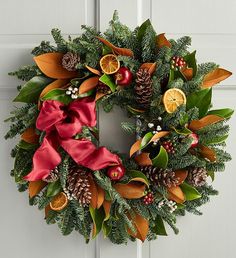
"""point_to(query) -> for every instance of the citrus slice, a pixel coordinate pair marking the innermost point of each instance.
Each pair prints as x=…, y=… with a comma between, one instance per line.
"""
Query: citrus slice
x=109, y=64
x=59, y=202
x=173, y=98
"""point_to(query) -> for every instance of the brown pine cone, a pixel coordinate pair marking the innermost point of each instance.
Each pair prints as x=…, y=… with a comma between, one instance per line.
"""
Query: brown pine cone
x=159, y=176
x=70, y=60
x=197, y=176
x=53, y=176
x=103, y=88
x=78, y=186
x=143, y=87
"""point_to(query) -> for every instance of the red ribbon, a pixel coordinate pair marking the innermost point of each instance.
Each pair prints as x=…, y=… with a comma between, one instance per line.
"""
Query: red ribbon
x=61, y=123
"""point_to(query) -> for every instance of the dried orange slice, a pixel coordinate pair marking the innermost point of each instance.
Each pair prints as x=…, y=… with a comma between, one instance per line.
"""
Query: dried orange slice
x=173, y=98
x=59, y=202
x=109, y=64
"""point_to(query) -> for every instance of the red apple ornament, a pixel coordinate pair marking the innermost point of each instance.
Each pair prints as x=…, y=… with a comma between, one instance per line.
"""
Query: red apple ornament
x=123, y=77
x=116, y=173
x=194, y=137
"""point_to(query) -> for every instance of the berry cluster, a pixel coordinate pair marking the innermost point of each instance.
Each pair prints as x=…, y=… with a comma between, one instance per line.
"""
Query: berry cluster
x=169, y=146
x=72, y=92
x=171, y=205
x=177, y=63
x=148, y=198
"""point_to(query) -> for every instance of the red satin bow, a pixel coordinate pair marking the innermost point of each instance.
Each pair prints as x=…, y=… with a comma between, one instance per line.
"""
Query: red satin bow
x=61, y=123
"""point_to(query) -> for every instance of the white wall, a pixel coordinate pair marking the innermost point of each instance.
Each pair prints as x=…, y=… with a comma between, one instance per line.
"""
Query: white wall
x=23, y=24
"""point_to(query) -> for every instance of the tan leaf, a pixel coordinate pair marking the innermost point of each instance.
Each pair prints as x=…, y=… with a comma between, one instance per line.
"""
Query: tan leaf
x=88, y=84
x=143, y=159
x=130, y=190
x=151, y=67
x=162, y=41
x=93, y=70
x=107, y=208
x=207, y=153
x=46, y=210
x=101, y=196
x=203, y=122
x=135, y=147
x=159, y=135
x=51, y=65
x=214, y=77
x=188, y=73
x=141, y=225
x=30, y=136
x=117, y=50
x=94, y=192
x=35, y=187
x=181, y=175
x=99, y=95
x=176, y=194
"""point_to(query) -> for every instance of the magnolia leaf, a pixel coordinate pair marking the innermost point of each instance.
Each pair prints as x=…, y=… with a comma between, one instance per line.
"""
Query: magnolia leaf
x=54, y=188
x=211, y=174
x=200, y=99
x=97, y=216
x=146, y=140
x=99, y=95
x=190, y=192
x=161, y=160
x=117, y=50
x=101, y=196
x=130, y=190
x=159, y=227
x=135, y=111
x=137, y=176
x=30, y=92
x=108, y=80
x=225, y=112
x=187, y=73
x=135, y=147
x=26, y=146
x=51, y=65
x=176, y=194
x=203, y=122
x=162, y=41
x=215, y=77
x=57, y=84
x=93, y=70
x=190, y=59
x=30, y=136
x=218, y=139
x=181, y=175
x=88, y=84
x=159, y=135
x=142, y=29
x=143, y=159
x=182, y=131
x=59, y=95
x=151, y=67
x=207, y=153
x=35, y=187
x=94, y=192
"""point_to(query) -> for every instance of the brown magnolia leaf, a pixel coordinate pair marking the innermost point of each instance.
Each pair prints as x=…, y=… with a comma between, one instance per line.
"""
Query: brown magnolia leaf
x=207, y=153
x=99, y=95
x=214, y=77
x=141, y=225
x=88, y=84
x=130, y=190
x=30, y=136
x=117, y=50
x=107, y=207
x=162, y=41
x=46, y=210
x=159, y=135
x=35, y=187
x=181, y=175
x=176, y=194
x=188, y=73
x=143, y=159
x=151, y=67
x=135, y=147
x=93, y=70
x=203, y=122
x=94, y=192
x=51, y=65
x=101, y=196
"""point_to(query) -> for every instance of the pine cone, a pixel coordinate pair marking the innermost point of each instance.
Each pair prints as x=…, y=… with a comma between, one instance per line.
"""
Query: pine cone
x=159, y=176
x=53, y=176
x=103, y=88
x=70, y=60
x=197, y=176
x=143, y=87
x=78, y=186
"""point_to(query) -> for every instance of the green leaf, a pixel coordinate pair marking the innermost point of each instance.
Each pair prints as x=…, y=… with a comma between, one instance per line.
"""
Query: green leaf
x=59, y=95
x=108, y=80
x=54, y=188
x=106, y=50
x=211, y=174
x=98, y=216
x=225, y=112
x=26, y=146
x=217, y=139
x=30, y=92
x=106, y=229
x=161, y=160
x=142, y=29
x=146, y=139
x=180, y=206
x=191, y=61
x=182, y=131
x=159, y=226
x=190, y=192
x=136, y=175
x=86, y=94
x=200, y=99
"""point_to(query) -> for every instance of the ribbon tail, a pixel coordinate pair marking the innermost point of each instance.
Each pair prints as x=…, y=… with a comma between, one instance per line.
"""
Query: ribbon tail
x=85, y=153
x=45, y=159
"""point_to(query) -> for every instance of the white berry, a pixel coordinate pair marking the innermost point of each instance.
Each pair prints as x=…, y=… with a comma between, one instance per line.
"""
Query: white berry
x=68, y=92
x=150, y=125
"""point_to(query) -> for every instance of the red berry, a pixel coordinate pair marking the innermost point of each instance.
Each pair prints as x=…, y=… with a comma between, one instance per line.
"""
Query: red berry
x=116, y=173
x=123, y=76
x=195, y=139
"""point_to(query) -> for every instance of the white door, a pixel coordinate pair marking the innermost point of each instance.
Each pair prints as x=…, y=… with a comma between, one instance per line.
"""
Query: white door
x=23, y=24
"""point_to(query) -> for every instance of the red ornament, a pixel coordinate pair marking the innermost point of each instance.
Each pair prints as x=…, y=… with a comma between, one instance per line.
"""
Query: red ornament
x=123, y=76
x=148, y=198
x=177, y=63
x=116, y=173
x=195, y=140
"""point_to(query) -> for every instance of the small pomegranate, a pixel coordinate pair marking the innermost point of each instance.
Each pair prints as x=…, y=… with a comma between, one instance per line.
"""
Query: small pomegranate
x=123, y=77
x=116, y=173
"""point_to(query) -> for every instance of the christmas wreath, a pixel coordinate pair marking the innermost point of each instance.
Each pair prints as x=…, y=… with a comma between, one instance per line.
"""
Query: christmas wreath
x=180, y=139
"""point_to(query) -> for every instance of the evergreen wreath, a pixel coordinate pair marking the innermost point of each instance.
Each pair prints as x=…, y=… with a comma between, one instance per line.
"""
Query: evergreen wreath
x=180, y=139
